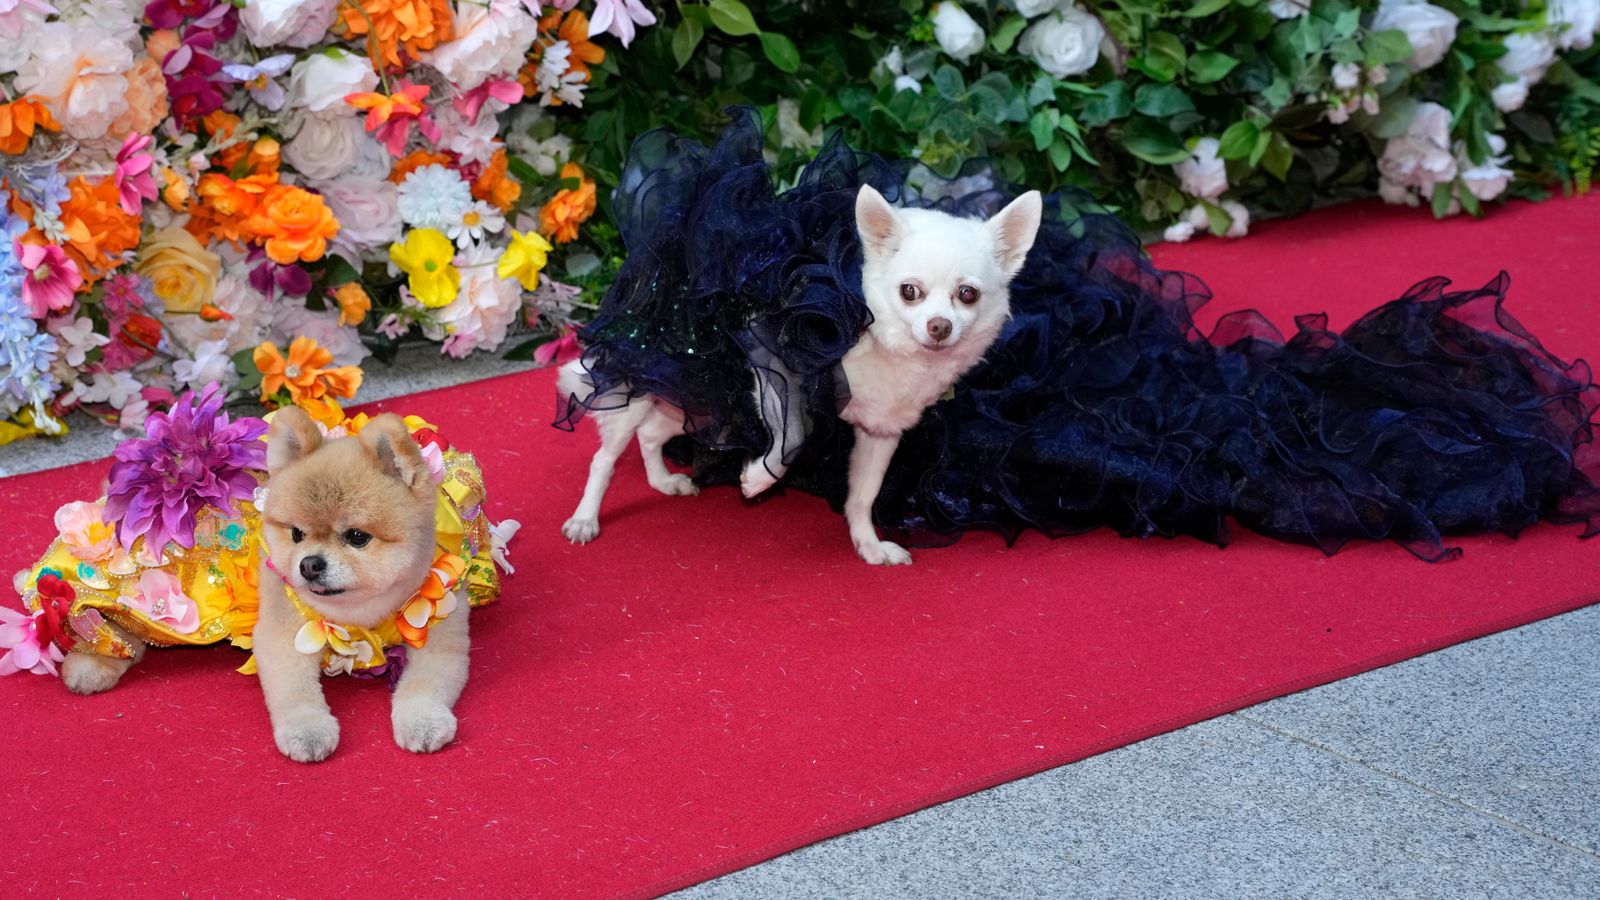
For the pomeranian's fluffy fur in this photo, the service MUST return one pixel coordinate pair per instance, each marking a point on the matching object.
(938, 289)
(349, 524)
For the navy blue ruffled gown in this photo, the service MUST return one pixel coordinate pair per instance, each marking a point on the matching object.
(1100, 404)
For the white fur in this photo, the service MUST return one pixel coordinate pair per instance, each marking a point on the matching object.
(909, 357)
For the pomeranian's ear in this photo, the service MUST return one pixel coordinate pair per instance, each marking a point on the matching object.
(880, 226)
(293, 436)
(387, 439)
(1014, 229)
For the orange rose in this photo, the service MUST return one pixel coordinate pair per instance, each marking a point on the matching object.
(295, 225)
(560, 218)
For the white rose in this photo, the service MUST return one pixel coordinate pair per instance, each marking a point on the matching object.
(907, 83)
(1527, 58)
(1064, 43)
(790, 132)
(1178, 232)
(1031, 8)
(79, 71)
(1421, 157)
(1240, 224)
(1396, 194)
(490, 41)
(1203, 175)
(1575, 21)
(957, 33)
(367, 210)
(320, 81)
(295, 23)
(1489, 179)
(1289, 9)
(1430, 30)
(325, 147)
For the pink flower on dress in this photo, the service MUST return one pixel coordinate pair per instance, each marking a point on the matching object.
(51, 280)
(27, 648)
(134, 181)
(161, 598)
(85, 532)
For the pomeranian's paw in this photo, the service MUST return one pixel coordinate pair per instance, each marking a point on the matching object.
(423, 726)
(883, 553)
(307, 736)
(581, 531)
(678, 485)
(755, 479)
(86, 673)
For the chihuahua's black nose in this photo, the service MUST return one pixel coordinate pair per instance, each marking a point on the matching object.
(312, 567)
(938, 328)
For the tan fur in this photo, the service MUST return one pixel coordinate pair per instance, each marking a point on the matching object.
(376, 483)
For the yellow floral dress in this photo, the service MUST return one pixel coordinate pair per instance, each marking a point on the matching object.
(209, 593)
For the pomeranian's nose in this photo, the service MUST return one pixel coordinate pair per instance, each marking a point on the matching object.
(312, 567)
(939, 328)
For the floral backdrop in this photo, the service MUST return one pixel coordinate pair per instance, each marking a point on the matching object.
(268, 194)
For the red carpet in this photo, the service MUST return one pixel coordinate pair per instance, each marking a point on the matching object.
(710, 685)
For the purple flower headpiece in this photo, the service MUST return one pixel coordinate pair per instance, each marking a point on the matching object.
(191, 457)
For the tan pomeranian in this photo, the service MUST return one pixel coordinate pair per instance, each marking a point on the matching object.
(349, 526)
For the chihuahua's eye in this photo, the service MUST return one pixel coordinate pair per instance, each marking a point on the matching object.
(357, 538)
(967, 294)
(908, 292)
(296, 535)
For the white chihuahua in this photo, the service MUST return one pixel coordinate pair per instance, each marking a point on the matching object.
(938, 290)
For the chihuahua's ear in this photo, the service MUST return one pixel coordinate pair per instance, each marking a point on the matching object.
(880, 226)
(1014, 229)
(293, 436)
(387, 439)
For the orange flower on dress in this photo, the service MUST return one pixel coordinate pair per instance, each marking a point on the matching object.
(569, 208)
(433, 601)
(20, 120)
(494, 185)
(294, 224)
(304, 372)
(417, 25)
(415, 160)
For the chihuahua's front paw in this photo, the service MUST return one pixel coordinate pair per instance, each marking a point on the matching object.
(423, 726)
(883, 553)
(755, 479)
(308, 736)
(676, 485)
(581, 531)
(86, 673)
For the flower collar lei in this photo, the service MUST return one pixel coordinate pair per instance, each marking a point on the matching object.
(351, 648)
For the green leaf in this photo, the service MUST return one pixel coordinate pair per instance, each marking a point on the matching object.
(1441, 199)
(1386, 47)
(1043, 127)
(948, 82)
(733, 18)
(1113, 101)
(1202, 8)
(1165, 56)
(1043, 90)
(1263, 139)
(685, 38)
(1006, 34)
(1161, 100)
(339, 271)
(1060, 154)
(1209, 66)
(1238, 140)
(781, 51)
(1279, 157)
(1153, 142)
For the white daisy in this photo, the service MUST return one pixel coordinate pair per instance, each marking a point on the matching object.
(479, 219)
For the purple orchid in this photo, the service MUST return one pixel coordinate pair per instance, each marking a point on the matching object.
(268, 278)
(191, 457)
(258, 78)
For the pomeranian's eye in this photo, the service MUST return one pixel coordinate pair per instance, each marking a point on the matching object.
(908, 292)
(296, 535)
(967, 294)
(357, 538)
